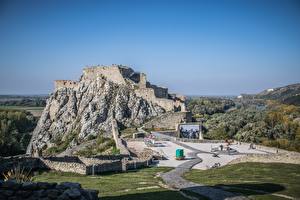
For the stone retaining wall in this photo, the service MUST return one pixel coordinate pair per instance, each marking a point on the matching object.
(138, 164)
(43, 190)
(114, 166)
(75, 167)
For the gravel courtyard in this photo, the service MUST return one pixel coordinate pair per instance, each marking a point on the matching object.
(168, 148)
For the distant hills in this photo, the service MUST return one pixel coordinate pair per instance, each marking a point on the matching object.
(289, 94)
(23, 100)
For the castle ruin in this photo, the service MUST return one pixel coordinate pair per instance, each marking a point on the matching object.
(120, 74)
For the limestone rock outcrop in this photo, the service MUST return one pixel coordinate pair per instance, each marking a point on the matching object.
(77, 110)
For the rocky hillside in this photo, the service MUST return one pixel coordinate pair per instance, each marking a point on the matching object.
(75, 114)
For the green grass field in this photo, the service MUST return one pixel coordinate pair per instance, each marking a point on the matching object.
(260, 181)
(255, 180)
(35, 111)
(139, 185)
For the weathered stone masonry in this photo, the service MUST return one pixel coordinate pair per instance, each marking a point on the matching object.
(74, 164)
(124, 75)
(168, 121)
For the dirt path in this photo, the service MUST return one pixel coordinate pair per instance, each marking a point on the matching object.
(174, 179)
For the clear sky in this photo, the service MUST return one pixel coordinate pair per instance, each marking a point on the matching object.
(193, 47)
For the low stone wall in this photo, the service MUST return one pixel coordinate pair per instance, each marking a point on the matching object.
(113, 166)
(120, 143)
(43, 190)
(74, 167)
(290, 157)
(70, 159)
(199, 141)
(79, 165)
(138, 164)
(109, 157)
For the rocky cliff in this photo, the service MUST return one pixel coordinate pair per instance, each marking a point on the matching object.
(77, 110)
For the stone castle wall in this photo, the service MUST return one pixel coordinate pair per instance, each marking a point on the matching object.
(64, 84)
(168, 121)
(113, 166)
(160, 92)
(111, 73)
(143, 80)
(124, 75)
(148, 93)
(126, 71)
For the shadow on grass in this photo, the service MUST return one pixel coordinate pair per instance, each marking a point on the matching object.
(253, 188)
(235, 190)
(161, 195)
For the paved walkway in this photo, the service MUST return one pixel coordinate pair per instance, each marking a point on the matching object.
(174, 179)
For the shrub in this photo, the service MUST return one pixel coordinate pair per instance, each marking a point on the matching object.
(115, 151)
(18, 174)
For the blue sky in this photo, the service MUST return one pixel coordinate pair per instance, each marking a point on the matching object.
(193, 47)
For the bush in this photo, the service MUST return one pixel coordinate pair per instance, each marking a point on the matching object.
(18, 174)
(15, 128)
(115, 151)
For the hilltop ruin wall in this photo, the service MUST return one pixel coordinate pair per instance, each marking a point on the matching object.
(111, 73)
(64, 84)
(124, 75)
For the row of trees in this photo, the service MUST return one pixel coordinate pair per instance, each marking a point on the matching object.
(274, 124)
(15, 131)
(31, 101)
(208, 106)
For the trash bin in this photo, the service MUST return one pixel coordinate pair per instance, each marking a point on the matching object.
(179, 154)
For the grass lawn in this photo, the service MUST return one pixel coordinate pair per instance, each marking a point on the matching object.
(138, 185)
(252, 178)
